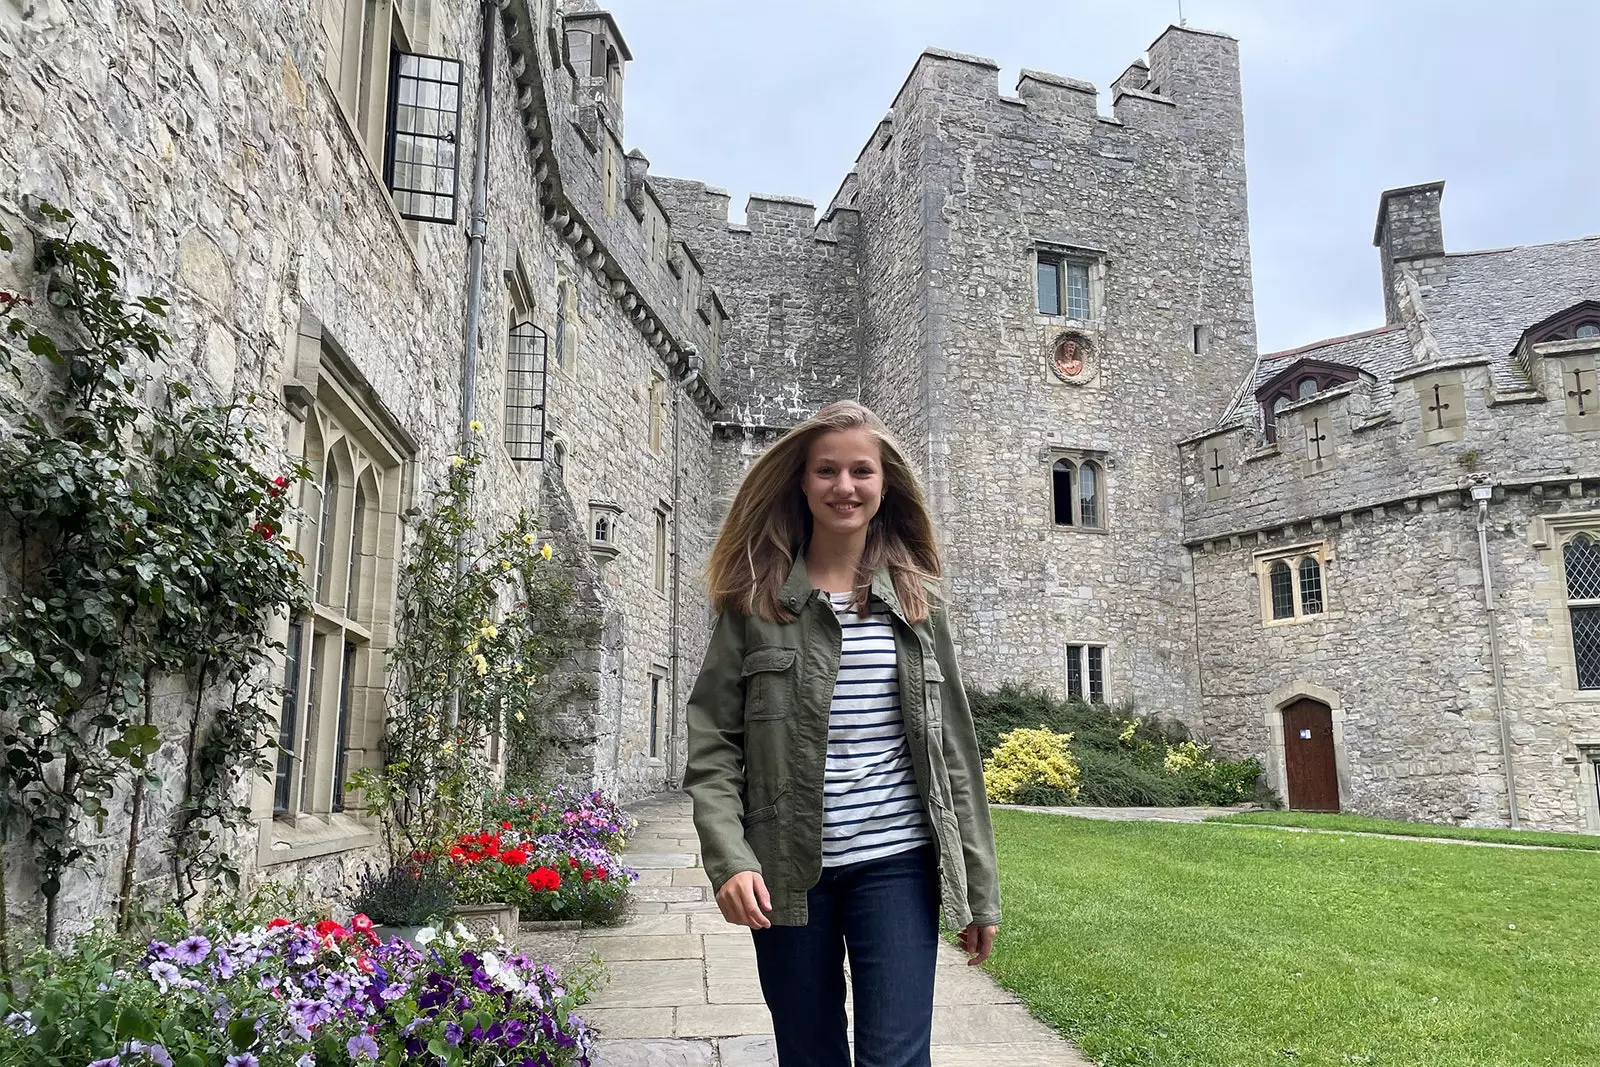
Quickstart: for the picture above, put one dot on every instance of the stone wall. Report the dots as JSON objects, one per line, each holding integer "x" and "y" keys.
{"x": 210, "y": 151}
{"x": 1402, "y": 654}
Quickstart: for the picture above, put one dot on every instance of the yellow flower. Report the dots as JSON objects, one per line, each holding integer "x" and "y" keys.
{"x": 520, "y": 716}
{"x": 517, "y": 667}
{"x": 505, "y": 564}
{"x": 545, "y": 551}
{"x": 1127, "y": 733}
{"x": 472, "y": 646}
{"x": 528, "y": 539}
{"x": 490, "y": 632}
{"x": 475, "y": 426}
{"x": 448, "y": 747}
{"x": 481, "y": 664}
{"x": 458, "y": 461}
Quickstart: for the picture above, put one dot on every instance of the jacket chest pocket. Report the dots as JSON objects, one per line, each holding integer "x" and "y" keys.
{"x": 769, "y": 679}
{"x": 932, "y": 689}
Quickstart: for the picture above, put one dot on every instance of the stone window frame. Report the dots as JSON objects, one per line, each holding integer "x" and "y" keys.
{"x": 522, "y": 333}
{"x": 1093, "y": 263}
{"x": 1076, "y": 460}
{"x": 658, "y": 413}
{"x": 1084, "y": 670}
{"x": 662, "y": 557}
{"x": 565, "y": 340}
{"x": 335, "y": 655}
{"x": 604, "y": 529}
{"x": 1548, "y": 535}
{"x": 657, "y": 711}
{"x": 1294, "y": 557}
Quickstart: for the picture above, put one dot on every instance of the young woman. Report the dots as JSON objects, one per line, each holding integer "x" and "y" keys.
{"x": 837, "y": 785}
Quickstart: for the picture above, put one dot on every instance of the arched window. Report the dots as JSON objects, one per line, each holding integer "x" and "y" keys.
{"x": 1282, "y": 591}
{"x": 1089, "y": 493}
{"x": 602, "y": 529}
{"x": 1310, "y": 586}
{"x": 358, "y": 527}
{"x": 1580, "y": 558}
{"x": 558, "y": 462}
{"x": 1306, "y": 388}
{"x": 1061, "y": 480}
{"x": 1588, "y": 329}
{"x": 562, "y": 351}
{"x": 325, "y": 541}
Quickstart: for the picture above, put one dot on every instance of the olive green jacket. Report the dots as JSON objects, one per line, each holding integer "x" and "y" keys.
{"x": 758, "y": 743}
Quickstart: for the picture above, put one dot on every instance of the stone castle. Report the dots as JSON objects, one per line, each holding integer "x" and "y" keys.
{"x": 1367, "y": 561}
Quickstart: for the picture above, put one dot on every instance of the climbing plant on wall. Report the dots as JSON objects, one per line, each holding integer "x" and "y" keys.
{"x": 140, "y": 528}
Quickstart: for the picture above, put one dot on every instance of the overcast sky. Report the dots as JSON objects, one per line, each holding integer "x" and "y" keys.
{"x": 1342, "y": 100}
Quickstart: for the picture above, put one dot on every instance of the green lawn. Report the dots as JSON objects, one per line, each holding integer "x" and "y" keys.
{"x": 1172, "y": 945}
{"x": 1362, "y": 824}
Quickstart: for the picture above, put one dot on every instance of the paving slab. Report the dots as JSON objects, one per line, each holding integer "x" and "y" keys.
{"x": 968, "y": 985}
{"x": 986, "y": 1024}
{"x": 649, "y": 947}
{"x": 647, "y": 1052}
{"x": 733, "y": 991}
{"x": 715, "y": 925}
{"x": 691, "y": 876}
{"x": 691, "y": 906}
{"x": 643, "y": 860}
{"x": 1013, "y": 1054}
{"x": 642, "y": 925}
{"x": 653, "y": 984}
{"x": 611, "y": 1023}
{"x": 666, "y": 893}
{"x": 723, "y": 1020}
{"x": 747, "y": 1052}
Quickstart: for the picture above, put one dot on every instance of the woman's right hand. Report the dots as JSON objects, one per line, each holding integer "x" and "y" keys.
{"x": 743, "y": 900}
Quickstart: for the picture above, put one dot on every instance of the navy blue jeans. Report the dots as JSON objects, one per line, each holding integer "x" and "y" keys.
{"x": 886, "y": 914}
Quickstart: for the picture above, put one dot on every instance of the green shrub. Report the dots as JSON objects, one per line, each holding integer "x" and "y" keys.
{"x": 1124, "y": 759}
{"x": 404, "y": 896}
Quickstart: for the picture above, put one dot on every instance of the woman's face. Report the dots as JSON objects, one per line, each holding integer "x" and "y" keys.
{"x": 843, "y": 481}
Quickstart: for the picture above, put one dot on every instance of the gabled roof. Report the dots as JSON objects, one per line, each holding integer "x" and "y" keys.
{"x": 1582, "y": 312}
{"x": 1295, "y": 368}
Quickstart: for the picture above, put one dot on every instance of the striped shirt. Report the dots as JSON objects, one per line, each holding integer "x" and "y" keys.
{"x": 871, "y": 808}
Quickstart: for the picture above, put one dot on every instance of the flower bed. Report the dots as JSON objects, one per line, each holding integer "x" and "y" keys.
{"x": 553, "y": 855}
{"x": 288, "y": 995}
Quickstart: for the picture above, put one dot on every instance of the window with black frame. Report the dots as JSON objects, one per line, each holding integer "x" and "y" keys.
{"x": 527, "y": 351}
{"x": 421, "y": 156}
{"x": 1580, "y": 559}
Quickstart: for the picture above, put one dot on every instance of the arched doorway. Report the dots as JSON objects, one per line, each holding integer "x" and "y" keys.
{"x": 1310, "y": 771}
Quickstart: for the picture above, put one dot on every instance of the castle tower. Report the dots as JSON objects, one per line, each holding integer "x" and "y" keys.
{"x": 1052, "y": 299}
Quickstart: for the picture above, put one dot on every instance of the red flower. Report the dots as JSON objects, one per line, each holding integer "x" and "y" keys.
{"x": 265, "y": 530}
{"x": 513, "y": 857}
{"x": 277, "y": 923}
{"x": 544, "y": 879}
{"x": 505, "y": 826}
{"x": 281, "y": 482}
{"x": 360, "y": 923}
{"x": 572, "y": 861}
{"x": 457, "y": 853}
{"x": 587, "y": 875}
{"x": 329, "y": 928}
{"x": 600, "y": 873}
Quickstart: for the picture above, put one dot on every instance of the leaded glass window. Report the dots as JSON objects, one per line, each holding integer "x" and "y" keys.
{"x": 1282, "y": 591}
{"x": 1588, "y": 329}
{"x": 1306, "y": 388}
{"x": 527, "y": 349}
{"x": 1580, "y": 559}
{"x": 1086, "y": 673}
{"x": 325, "y": 542}
{"x": 1097, "y": 674}
{"x": 424, "y": 127}
{"x": 1049, "y": 286}
{"x": 1076, "y": 279}
{"x": 1089, "y": 494}
{"x": 358, "y": 526}
{"x": 288, "y": 720}
{"x": 1310, "y": 586}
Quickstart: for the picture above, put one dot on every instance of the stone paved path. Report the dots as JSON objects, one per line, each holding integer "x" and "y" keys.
{"x": 1135, "y": 814}
{"x": 684, "y": 992}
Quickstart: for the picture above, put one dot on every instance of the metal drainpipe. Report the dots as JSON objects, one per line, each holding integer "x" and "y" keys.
{"x": 1482, "y": 493}
{"x": 477, "y": 229}
{"x": 677, "y": 572}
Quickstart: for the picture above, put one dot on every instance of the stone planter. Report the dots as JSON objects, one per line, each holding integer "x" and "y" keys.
{"x": 408, "y": 934}
{"x": 482, "y": 920}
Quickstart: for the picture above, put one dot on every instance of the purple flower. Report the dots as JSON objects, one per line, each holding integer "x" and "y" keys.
{"x": 109, "y": 1061}
{"x": 362, "y": 1047}
{"x": 160, "y": 950}
{"x": 223, "y": 965}
{"x": 164, "y": 974}
{"x": 307, "y": 1059}
{"x": 243, "y": 1059}
{"x": 453, "y": 1034}
{"x": 394, "y": 991}
{"x": 511, "y": 1037}
{"x": 159, "y": 1056}
{"x": 337, "y": 987}
{"x": 191, "y": 950}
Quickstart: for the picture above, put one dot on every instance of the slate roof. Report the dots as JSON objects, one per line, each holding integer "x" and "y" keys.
{"x": 1477, "y": 305}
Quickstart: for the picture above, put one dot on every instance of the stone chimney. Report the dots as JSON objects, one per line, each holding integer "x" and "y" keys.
{"x": 1408, "y": 229}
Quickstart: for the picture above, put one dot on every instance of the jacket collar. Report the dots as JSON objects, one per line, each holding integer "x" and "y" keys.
{"x": 798, "y": 588}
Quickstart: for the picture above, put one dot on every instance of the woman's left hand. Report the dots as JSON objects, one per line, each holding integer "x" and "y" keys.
{"x": 977, "y": 941}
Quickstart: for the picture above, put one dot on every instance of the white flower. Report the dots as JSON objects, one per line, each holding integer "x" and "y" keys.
{"x": 464, "y": 934}
{"x": 425, "y": 935}
{"x": 458, "y": 461}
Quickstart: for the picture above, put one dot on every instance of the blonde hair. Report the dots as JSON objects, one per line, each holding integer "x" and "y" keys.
{"x": 769, "y": 523}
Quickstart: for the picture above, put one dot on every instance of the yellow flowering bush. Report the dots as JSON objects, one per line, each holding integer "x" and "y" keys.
{"x": 1186, "y": 755}
{"x": 1028, "y": 762}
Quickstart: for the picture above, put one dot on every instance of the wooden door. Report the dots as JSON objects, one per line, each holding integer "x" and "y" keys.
{"x": 1308, "y": 756}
